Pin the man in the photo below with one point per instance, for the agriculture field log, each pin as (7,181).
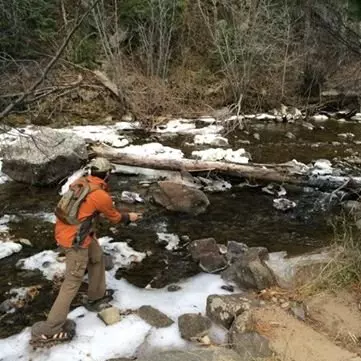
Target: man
(82,251)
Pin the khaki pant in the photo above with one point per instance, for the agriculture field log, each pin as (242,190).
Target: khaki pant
(77,261)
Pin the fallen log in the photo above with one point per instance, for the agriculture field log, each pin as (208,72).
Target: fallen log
(290,172)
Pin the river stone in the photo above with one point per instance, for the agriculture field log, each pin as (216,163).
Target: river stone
(110,315)
(207,253)
(154,317)
(223,309)
(250,345)
(193,325)
(108,262)
(211,354)
(179,197)
(45,158)
(250,271)
(242,323)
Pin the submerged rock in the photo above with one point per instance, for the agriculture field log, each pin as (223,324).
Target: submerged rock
(179,197)
(154,317)
(110,315)
(193,326)
(44,158)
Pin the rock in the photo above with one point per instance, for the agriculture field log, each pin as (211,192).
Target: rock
(295,271)
(193,325)
(212,354)
(212,262)
(299,311)
(250,345)
(256,136)
(223,309)
(358,224)
(110,315)
(250,271)
(154,317)
(174,288)
(228,288)
(290,135)
(45,158)
(235,250)
(178,197)
(25,242)
(275,190)
(6,306)
(108,261)
(307,125)
(203,246)
(320,118)
(222,249)
(206,252)
(283,204)
(243,323)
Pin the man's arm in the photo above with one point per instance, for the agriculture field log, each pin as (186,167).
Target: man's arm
(103,203)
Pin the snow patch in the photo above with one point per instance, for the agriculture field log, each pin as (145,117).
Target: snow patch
(46,262)
(171,239)
(3,177)
(322,167)
(99,133)
(218,154)
(8,248)
(211,139)
(187,126)
(127,125)
(153,149)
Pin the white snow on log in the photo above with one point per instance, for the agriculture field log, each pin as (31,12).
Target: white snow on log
(8,248)
(211,139)
(127,125)
(218,154)
(153,149)
(322,167)
(319,117)
(265,116)
(171,239)
(99,133)
(96,342)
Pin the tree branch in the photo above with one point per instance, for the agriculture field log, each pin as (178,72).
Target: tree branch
(52,62)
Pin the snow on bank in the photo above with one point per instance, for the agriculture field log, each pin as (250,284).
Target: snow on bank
(3,177)
(218,154)
(210,139)
(187,126)
(171,239)
(8,248)
(96,342)
(99,133)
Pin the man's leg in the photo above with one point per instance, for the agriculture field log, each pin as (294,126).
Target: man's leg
(76,263)
(96,272)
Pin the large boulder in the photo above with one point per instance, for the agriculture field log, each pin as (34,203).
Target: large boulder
(224,309)
(45,157)
(211,354)
(207,253)
(193,326)
(179,197)
(250,271)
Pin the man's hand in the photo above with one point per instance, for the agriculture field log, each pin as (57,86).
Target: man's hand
(133,217)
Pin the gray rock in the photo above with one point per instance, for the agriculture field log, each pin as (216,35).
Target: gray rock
(154,317)
(299,311)
(108,261)
(174,288)
(212,263)
(242,323)
(45,158)
(193,325)
(235,250)
(358,224)
(250,345)
(211,354)
(110,315)
(207,253)
(203,246)
(250,271)
(6,306)
(179,197)
(224,309)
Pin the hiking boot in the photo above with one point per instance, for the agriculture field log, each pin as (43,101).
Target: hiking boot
(99,304)
(42,340)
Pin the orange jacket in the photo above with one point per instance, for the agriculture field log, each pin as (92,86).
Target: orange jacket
(97,201)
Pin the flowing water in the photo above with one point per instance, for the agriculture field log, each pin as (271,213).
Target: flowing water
(242,214)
